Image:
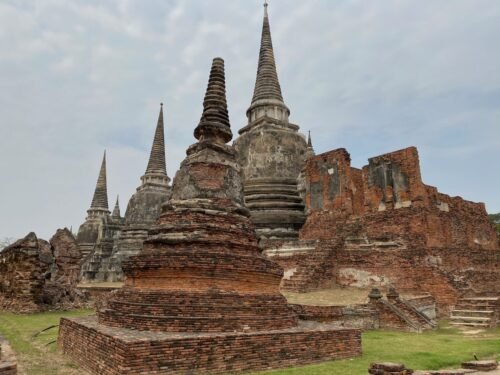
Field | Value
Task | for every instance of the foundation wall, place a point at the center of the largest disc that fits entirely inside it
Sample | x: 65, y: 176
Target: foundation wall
x: 104, y: 351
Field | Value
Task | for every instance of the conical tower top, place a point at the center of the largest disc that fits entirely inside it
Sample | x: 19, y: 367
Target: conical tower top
x: 267, y: 85
x: 310, y: 150
x: 156, y: 171
x: 156, y: 163
x: 116, y: 211
x: 100, y: 199
x: 214, y: 124
x: 267, y: 98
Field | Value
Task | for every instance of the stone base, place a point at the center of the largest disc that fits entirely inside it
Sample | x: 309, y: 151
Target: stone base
x: 112, y: 351
x: 8, y: 363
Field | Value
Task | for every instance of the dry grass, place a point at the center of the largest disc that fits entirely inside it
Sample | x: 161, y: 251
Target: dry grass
x: 329, y: 297
x: 38, y: 355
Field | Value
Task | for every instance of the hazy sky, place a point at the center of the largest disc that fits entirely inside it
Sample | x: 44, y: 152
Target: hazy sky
x: 78, y: 77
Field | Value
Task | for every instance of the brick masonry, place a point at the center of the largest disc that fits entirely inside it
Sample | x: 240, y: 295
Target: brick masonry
x: 37, y: 275
x: 382, y: 226
x: 116, y: 351
x: 200, y: 297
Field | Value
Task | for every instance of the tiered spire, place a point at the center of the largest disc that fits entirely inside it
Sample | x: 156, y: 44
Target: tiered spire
x: 267, y: 85
x: 100, y: 199
x: 156, y: 163
x: 214, y: 123
x: 116, y: 211
x: 310, y: 150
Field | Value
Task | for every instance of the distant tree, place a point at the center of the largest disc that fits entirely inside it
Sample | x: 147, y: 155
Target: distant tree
x: 6, y: 241
x: 495, y: 219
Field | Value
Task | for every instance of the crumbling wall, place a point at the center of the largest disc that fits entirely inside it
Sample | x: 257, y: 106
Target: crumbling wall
x: 36, y: 275
x: 396, y: 230
x: 393, y: 180
x: 396, y: 203
x: 24, y: 267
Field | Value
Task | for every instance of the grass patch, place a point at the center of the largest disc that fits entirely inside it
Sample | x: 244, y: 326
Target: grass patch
x: 445, y: 347
x: 37, y: 356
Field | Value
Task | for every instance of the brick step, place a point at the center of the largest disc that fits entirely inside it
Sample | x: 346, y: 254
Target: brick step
x: 485, y: 313
x: 473, y: 319
x: 193, y: 323
x: 206, y: 311
x: 469, y: 324
x: 480, y: 299
x: 463, y: 306
x: 477, y: 303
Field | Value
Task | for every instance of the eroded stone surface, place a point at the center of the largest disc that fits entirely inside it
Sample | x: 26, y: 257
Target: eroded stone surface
x: 383, y: 226
x: 271, y: 153
x: 36, y: 275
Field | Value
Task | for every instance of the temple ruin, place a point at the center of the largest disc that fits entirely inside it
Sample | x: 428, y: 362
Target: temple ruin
x: 200, y: 298
x: 381, y: 226
x: 272, y: 154
x: 107, y: 239
x: 36, y: 275
x: 325, y: 221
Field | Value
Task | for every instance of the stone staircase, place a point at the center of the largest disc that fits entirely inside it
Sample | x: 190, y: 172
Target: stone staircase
x: 308, y: 276
x: 418, y: 319
x: 481, y: 312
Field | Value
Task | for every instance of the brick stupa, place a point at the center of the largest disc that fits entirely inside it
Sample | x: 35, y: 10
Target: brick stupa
x: 200, y: 298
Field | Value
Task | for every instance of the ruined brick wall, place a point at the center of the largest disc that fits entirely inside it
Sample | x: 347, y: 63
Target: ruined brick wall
x: 24, y: 266
x: 330, y: 184
x: 446, y: 273
x: 36, y: 275
x: 396, y: 203
x: 409, y: 270
x: 67, y: 258
x: 405, y: 233
x: 393, y: 180
x: 463, y: 226
x: 357, y: 316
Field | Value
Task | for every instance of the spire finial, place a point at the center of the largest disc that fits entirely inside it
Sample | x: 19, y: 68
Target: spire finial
x: 267, y: 86
x: 310, y: 150
x: 214, y: 123
x: 156, y: 163
x: 100, y: 199
x: 116, y: 211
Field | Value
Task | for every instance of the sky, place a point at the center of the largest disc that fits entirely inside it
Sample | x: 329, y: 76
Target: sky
x: 81, y: 76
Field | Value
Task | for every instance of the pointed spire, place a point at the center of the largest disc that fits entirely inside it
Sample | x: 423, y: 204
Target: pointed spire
x: 156, y: 163
x: 214, y: 123
x: 267, y: 100
x: 267, y: 85
x: 116, y: 211
x: 310, y: 150
x: 100, y: 199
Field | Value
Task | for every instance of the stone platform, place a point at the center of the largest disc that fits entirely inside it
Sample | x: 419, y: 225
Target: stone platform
x: 8, y: 363
x: 111, y: 351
